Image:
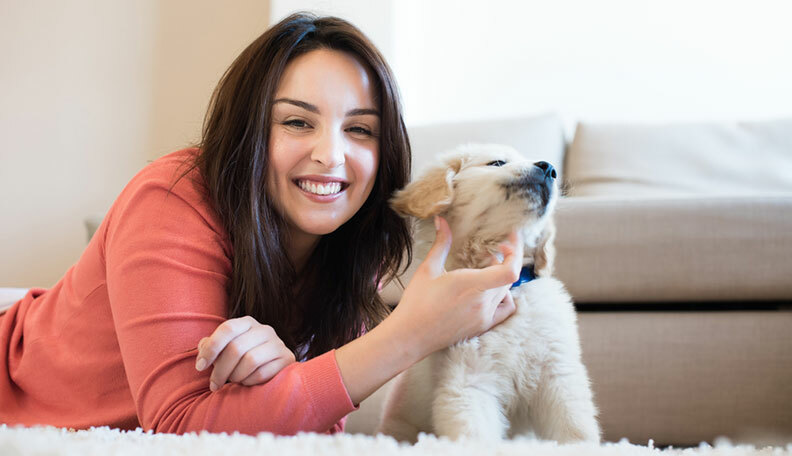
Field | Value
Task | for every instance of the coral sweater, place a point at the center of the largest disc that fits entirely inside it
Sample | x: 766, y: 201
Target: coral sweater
x: 113, y: 342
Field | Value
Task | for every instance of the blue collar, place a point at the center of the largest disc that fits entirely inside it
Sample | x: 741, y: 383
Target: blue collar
x: 526, y: 275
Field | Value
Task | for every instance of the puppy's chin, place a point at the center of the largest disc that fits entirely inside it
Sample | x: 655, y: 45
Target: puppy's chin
x: 537, y: 193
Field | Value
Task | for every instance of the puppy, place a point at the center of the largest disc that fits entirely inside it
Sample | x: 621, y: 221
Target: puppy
x: 525, y: 376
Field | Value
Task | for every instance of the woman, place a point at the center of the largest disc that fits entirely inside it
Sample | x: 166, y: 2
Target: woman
x: 266, y: 243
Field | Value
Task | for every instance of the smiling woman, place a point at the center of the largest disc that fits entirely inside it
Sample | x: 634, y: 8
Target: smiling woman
x: 262, y: 246
x: 317, y: 110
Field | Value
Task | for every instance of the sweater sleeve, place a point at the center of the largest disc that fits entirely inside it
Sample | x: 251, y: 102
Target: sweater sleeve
x: 168, y: 263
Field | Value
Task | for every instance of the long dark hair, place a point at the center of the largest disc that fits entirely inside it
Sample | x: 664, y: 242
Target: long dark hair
x: 337, y: 297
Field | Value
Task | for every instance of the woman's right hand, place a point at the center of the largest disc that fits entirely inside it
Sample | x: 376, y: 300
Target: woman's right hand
x: 242, y: 351
x: 440, y: 308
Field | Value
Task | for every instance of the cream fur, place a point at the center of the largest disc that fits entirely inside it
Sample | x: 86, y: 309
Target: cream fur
x: 525, y: 377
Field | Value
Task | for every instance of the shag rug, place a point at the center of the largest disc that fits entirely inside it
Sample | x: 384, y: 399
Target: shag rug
x: 48, y: 440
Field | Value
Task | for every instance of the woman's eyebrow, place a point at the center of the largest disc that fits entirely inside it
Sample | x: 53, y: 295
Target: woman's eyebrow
x: 363, y: 112
x: 315, y: 110
x: 298, y: 103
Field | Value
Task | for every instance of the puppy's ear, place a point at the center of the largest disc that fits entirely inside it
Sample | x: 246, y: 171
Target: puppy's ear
x: 430, y: 194
x: 544, y: 255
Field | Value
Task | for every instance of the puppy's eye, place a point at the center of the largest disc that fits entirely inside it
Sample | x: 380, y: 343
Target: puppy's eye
x: 496, y: 163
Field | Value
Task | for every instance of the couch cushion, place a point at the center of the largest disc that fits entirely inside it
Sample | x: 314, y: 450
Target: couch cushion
x: 677, y: 237
x: 539, y: 137
x: 669, y: 249
x: 672, y: 249
x: 629, y: 160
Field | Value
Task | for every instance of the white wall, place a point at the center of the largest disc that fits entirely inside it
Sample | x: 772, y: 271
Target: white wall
x: 196, y: 42
x: 608, y: 60
x: 75, y: 81
x: 92, y: 90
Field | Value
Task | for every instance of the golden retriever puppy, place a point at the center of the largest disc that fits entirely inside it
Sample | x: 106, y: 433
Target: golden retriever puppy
x: 525, y: 376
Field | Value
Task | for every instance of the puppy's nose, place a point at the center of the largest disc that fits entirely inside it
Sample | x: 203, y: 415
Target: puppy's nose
x: 548, y: 169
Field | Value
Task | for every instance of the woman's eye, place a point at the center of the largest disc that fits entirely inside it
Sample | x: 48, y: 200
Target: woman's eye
x: 297, y: 123
x: 359, y: 130
x: 496, y: 163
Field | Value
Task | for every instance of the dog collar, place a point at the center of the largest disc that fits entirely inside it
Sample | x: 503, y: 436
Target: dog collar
x: 526, y: 275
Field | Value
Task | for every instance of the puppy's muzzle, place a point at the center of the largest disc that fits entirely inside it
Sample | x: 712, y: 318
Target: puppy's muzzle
x: 535, y: 183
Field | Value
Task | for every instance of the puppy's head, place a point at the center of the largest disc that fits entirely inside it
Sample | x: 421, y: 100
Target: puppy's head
x: 486, y: 191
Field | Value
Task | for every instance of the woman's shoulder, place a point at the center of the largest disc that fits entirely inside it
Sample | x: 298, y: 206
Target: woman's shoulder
x: 170, y: 186
x: 174, y: 170
x: 173, y: 173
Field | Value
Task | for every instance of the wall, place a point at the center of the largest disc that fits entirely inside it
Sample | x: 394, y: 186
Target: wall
x: 196, y: 42
x: 374, y: 18
x: 95, y: 89
x: 610, y: 60
x: 92, y: 90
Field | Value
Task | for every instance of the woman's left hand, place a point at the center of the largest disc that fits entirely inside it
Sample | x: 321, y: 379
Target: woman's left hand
x: 243, y: 351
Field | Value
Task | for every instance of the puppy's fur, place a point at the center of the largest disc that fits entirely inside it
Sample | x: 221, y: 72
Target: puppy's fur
x: 525, y: 376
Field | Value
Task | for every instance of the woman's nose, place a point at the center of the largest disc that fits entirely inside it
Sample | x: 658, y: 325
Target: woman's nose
x: 330, y: 150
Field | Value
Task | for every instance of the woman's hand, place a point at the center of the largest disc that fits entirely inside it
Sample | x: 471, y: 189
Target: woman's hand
x: 242, y: 351
x: 439, y: 308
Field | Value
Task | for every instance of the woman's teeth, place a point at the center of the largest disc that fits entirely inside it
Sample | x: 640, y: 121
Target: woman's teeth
x: 319, y: 188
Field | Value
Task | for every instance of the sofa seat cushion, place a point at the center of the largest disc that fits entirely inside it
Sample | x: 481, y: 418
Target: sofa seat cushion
x: 632, y: 160
x: 669, y: 249
x: 675, y: 249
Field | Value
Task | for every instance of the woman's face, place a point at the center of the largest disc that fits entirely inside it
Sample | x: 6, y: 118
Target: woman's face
x: 323, y: 146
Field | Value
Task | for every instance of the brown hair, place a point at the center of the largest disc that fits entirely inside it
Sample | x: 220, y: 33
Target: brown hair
x: 337, y: 298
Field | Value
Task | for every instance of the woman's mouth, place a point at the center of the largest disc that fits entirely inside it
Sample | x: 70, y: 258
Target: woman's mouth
x: 321, y: 191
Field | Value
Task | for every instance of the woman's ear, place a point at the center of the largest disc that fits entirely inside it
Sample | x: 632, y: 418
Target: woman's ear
x: 430, y: 194
x: 544, y: 255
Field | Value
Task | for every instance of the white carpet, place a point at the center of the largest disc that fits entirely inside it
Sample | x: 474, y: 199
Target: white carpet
x: 104, y: 441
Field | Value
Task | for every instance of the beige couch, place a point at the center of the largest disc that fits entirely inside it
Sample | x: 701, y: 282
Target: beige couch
x: 676, y: 243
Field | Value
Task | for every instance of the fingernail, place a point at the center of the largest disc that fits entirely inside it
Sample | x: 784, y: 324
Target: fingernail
x: 200, y: 364
x: 437, y: 222
x: 213, y: 386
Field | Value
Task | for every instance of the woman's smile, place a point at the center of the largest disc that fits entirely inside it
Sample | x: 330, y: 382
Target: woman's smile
x: 321, y: 189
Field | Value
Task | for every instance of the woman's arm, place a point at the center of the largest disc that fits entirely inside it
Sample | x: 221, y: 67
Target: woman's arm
x: 245, y: 351
x: 437, y: 309
x: 167, y: 266
x: 248, y: 352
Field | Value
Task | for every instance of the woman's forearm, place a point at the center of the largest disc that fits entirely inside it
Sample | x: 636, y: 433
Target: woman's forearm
x: 374, y: 358
x: 438, y: 308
